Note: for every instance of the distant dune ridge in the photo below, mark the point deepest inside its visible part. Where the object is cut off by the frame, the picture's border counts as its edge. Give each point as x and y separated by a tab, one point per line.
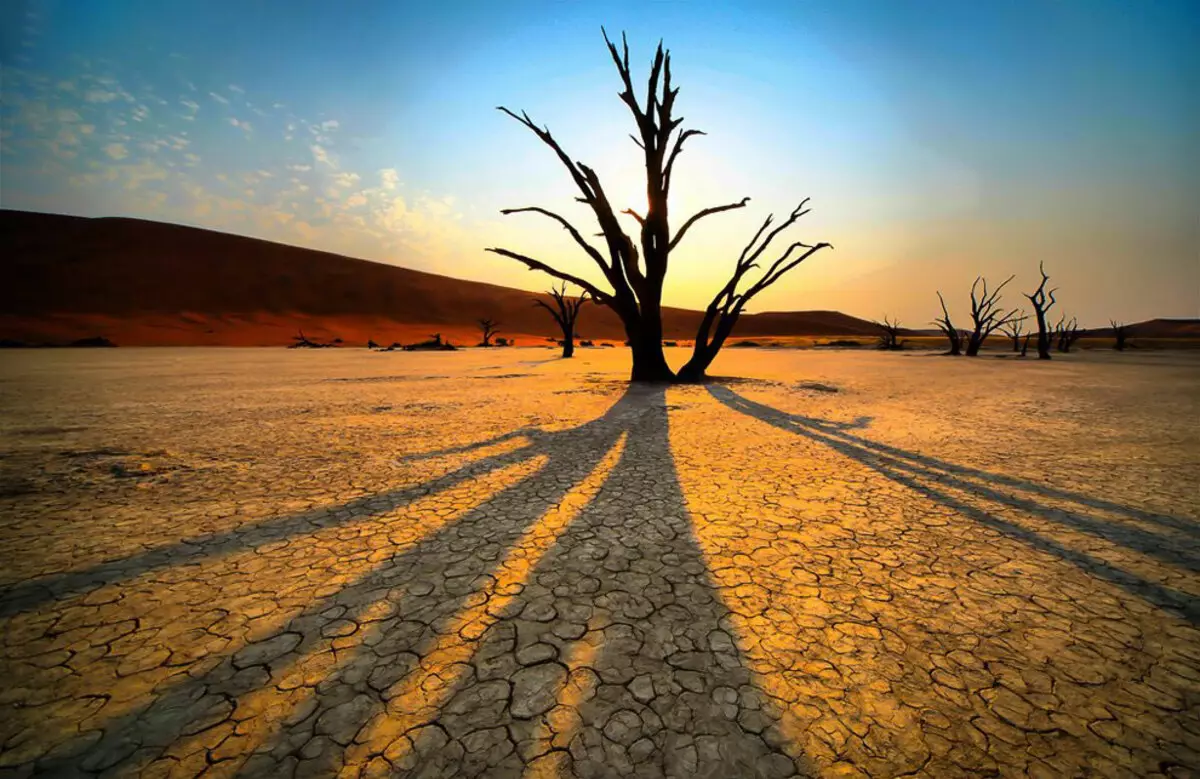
143	283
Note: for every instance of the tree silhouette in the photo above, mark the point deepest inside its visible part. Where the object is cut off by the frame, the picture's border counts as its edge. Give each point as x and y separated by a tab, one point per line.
636	271
726	306
1066	333
986	314
565	311
890	337
1120	333
1014	329
1042	302
952	333
488	328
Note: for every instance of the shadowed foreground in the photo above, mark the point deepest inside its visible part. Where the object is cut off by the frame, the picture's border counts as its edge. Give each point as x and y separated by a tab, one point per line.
353	565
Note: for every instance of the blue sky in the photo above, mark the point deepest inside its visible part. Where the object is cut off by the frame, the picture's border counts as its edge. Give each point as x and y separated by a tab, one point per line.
937	140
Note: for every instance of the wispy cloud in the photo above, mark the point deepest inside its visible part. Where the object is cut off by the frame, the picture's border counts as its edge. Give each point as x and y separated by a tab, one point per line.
117	151
219	98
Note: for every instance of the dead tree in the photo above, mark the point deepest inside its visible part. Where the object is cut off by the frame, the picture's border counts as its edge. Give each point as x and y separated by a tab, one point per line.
1066	334
1042	302
635	270
1014	328
727	305
565	311
1120	333
952	333
987	315
488	328
303	342
890	337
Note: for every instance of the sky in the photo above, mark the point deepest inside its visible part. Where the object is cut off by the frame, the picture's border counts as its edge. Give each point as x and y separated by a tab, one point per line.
938	141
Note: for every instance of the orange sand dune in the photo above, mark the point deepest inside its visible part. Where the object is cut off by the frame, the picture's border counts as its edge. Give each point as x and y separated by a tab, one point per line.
141	283
149	283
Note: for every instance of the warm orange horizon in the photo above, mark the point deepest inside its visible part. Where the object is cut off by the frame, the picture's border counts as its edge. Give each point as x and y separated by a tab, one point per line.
929	160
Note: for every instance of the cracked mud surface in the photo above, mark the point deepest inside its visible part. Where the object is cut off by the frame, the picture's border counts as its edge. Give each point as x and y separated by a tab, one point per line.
267	563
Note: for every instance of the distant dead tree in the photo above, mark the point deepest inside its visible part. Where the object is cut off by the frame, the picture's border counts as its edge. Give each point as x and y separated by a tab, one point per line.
1042	302
890	337
636	270
1014	329
1066	334
1120	333
303	342
952	333
1025	344
987	315
565	311
488	328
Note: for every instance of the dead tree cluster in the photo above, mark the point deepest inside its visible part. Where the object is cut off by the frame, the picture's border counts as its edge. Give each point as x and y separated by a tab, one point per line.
987	315
635	267
565	311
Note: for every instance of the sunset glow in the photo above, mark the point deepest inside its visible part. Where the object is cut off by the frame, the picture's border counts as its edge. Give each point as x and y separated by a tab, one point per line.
937	140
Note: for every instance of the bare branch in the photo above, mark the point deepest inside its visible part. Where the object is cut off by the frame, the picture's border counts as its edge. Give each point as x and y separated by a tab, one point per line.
533	264
640	219
697	217
678	147
587	247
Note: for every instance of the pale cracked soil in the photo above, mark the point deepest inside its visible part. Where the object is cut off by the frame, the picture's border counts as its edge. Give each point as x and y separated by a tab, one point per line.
496	563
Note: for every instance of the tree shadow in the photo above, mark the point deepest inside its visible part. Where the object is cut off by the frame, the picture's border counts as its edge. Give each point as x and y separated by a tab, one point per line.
928	476
569	618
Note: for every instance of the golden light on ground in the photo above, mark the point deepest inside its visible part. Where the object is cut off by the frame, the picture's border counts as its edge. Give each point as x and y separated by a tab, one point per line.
340	555
559	725
416	699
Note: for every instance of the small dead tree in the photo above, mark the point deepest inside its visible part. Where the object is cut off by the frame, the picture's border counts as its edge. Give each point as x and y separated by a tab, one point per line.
987	315
727	305
488	327
565	311
1120	333
952	333
889	339
1066	334
1042	302
1014	328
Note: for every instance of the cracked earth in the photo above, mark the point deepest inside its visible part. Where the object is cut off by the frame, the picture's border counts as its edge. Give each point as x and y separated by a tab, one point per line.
495	563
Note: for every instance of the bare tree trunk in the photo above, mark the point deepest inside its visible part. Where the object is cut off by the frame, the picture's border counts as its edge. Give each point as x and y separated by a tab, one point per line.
1120	333
565	312
952	333
1042	302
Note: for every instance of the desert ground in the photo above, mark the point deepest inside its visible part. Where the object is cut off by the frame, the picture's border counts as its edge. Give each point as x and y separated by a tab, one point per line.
262	562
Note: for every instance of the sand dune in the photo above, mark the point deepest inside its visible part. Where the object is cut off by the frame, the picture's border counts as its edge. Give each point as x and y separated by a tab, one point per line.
154	284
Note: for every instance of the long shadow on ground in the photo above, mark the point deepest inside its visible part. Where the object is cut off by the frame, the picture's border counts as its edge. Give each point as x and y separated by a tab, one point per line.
567	621
932	477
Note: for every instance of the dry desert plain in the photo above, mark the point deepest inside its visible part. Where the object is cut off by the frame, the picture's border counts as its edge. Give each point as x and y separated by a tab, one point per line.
262	562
